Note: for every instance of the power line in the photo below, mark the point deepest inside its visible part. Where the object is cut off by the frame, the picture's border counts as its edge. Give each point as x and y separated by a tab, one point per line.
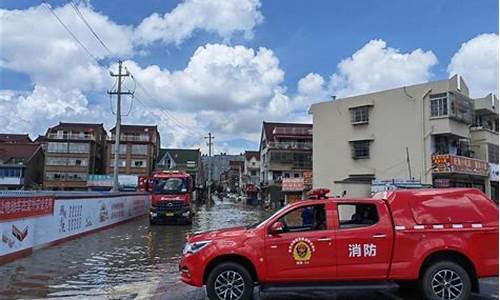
82	17
49	8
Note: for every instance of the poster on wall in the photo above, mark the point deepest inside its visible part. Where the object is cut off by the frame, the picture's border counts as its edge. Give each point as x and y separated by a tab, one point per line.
16	236
24	207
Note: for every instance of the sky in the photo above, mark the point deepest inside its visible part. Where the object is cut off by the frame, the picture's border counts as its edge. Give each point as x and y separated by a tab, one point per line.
224	66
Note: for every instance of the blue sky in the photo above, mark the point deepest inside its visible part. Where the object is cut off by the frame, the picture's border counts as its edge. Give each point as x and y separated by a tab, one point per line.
304	36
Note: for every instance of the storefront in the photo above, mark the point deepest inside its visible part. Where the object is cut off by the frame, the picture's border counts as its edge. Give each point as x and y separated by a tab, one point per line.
459	171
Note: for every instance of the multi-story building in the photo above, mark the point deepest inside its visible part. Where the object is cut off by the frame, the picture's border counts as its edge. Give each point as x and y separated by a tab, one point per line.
484	138
21	165
218	164
233	176
420	132
139	150
251	171
188	160
74	150
285	152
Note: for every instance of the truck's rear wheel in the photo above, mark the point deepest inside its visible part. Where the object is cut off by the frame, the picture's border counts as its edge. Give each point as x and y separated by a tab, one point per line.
229	281
446	280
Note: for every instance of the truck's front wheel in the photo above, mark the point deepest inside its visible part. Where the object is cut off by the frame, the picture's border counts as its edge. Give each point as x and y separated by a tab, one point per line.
229	281
446	280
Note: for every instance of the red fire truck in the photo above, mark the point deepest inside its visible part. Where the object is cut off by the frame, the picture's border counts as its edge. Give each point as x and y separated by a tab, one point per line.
171	195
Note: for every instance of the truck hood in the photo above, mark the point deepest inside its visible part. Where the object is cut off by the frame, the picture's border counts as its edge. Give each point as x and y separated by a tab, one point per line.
219	234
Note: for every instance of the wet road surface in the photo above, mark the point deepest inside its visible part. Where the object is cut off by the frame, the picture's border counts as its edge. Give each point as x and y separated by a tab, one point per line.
136	261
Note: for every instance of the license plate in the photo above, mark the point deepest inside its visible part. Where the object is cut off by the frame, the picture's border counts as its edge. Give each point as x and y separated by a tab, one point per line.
169	214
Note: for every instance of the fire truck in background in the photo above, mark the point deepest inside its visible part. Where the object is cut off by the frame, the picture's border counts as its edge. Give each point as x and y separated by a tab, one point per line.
171	196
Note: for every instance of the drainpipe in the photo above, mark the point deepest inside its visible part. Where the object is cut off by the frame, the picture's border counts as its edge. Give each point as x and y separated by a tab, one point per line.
423	174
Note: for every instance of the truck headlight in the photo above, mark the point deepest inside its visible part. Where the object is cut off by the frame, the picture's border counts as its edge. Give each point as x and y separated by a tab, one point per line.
194	247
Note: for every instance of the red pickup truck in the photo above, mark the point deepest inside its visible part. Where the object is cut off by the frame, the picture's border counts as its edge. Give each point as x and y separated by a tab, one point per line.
442	239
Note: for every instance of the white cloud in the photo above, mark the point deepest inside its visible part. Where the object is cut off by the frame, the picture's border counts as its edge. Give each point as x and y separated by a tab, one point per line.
477	62
377	67
217	77
34	43
222	17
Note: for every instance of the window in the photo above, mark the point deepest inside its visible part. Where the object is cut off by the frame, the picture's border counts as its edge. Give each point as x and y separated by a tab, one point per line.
56	161
357	215
359	115
253	173
10	172
360	149
78	148
77	162
439	105
122	149
305	218
138	163
492	153
140	149
57	147
121	163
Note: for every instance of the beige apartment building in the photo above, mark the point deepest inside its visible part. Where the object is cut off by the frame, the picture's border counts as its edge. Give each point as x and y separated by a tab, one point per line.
285	153
432	132
139	150
72	152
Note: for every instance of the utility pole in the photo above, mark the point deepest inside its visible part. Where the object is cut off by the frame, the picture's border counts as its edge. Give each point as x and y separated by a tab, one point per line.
118	93
210	137
408	162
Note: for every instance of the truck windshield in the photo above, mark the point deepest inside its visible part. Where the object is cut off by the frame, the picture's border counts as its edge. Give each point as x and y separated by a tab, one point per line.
169	186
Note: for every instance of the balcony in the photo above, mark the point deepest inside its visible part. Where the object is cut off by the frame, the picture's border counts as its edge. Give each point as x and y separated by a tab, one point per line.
291	145
71	136
131	138
292	131
480	134
454	164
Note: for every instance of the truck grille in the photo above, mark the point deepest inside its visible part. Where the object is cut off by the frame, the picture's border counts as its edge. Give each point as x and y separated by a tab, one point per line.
169	206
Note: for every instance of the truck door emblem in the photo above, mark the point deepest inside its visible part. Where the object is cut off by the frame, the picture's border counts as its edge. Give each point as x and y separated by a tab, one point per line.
301	250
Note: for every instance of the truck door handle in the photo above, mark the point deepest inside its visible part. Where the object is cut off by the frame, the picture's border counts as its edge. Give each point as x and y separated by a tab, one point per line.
274	246
325	239
379	236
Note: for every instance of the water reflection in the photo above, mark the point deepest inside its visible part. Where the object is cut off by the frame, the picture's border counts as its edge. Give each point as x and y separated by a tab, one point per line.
127	261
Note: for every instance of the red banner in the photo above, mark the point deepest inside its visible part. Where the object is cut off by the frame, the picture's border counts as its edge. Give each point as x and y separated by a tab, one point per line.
293	184
23	207
458	164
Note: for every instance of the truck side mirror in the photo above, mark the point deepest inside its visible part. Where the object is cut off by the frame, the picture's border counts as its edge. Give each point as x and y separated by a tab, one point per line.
276	228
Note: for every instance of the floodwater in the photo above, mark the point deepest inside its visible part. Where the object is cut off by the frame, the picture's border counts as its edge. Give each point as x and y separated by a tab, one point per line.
132	260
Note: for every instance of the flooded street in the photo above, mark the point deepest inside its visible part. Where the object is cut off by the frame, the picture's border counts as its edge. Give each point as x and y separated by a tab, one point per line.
136	261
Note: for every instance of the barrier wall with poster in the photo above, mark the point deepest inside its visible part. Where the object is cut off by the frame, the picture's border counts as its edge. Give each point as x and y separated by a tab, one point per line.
31	222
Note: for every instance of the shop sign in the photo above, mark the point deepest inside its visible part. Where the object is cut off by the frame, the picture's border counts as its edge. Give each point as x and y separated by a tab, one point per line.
441	182
293	184
23	207
494	172
459	164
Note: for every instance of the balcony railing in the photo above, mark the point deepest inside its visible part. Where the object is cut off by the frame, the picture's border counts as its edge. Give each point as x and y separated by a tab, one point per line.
290	145
292	131
449	163
71	136
131	138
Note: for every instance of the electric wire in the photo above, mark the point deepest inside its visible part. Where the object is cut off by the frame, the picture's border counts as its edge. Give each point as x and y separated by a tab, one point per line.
82	17
162	109
51	10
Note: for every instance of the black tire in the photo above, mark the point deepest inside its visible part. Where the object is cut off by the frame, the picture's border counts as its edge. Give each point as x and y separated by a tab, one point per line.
226	268
435	272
